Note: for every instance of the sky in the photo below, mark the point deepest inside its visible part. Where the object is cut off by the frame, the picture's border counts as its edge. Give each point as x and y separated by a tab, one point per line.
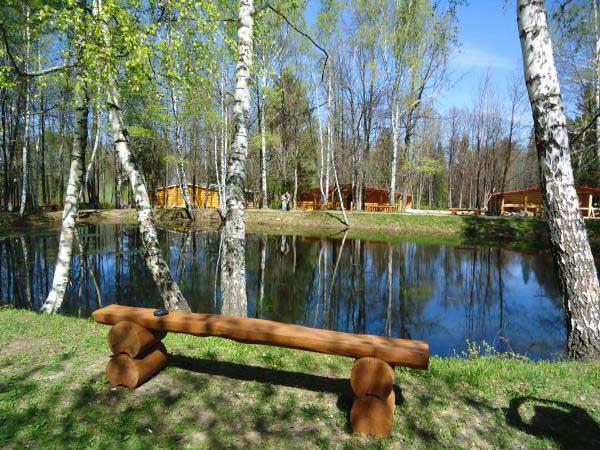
489	41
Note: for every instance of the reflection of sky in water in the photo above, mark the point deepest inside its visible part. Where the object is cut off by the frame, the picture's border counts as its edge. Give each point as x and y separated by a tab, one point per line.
445	295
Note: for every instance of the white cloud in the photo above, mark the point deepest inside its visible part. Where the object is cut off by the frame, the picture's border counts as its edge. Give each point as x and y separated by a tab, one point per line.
472	57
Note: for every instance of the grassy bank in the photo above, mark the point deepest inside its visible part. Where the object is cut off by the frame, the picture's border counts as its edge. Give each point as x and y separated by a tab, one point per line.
217	393
514	232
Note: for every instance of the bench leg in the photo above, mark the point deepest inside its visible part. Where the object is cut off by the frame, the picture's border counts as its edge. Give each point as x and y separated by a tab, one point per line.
138	354
372	381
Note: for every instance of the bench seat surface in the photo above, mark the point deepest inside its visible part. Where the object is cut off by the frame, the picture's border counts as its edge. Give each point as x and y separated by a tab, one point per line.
401	352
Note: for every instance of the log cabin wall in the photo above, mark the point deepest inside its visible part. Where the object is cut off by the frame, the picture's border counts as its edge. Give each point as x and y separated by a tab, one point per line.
311	198
172	197
531	200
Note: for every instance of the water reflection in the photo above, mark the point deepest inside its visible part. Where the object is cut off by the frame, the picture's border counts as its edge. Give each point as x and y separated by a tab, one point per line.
446	295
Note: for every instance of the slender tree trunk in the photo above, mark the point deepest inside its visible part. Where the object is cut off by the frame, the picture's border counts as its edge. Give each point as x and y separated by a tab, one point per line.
224	148
172	296
597	73
71	208
395	139
328	158
570	245
233	264
321	146
264	203
169	290
24	158
183	183
4	150
25	167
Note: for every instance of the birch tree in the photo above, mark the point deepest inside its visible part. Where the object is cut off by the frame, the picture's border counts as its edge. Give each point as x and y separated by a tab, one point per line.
24	158
570	246
233	263
172	296
71	208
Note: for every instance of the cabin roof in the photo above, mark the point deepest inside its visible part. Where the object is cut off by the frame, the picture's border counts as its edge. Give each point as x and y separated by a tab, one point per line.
579	189
210	186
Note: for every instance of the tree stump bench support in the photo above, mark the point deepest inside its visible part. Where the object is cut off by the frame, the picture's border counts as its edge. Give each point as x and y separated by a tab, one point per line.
138	353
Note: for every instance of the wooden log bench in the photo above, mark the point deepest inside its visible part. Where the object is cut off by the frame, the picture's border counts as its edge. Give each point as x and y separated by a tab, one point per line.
139	354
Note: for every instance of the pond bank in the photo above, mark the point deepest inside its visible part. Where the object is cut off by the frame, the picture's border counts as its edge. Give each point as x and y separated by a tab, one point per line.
524	233
218	393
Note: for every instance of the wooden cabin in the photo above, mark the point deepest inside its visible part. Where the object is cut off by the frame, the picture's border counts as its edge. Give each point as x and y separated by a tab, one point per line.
530	201
172	197
374	199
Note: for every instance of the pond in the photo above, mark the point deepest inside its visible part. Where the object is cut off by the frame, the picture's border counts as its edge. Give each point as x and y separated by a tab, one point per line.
447	295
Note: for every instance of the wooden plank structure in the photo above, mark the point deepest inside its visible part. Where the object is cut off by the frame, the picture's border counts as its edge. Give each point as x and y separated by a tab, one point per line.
531	201
172	197
138	353
457	211
374	199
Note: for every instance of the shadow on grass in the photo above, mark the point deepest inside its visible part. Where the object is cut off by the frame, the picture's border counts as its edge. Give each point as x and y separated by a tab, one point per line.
529	231
316	383
191	407
570	426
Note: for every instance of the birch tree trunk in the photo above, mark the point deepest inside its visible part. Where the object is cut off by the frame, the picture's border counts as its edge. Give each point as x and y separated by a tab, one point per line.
264	203
325	199
233	264
597	73
169	290
321	145
71	208
183	183
172	296
570	245
395	139
25	167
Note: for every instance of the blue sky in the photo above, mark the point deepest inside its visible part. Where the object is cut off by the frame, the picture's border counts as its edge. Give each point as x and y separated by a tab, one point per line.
489	40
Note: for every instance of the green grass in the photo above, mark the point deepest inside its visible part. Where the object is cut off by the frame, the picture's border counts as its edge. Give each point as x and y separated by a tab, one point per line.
220	394
521	233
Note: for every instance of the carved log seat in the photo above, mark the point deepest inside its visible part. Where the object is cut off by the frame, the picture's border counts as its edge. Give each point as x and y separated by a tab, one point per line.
138	353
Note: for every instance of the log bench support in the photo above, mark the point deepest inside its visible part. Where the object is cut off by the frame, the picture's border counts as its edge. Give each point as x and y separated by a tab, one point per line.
138	354
372	381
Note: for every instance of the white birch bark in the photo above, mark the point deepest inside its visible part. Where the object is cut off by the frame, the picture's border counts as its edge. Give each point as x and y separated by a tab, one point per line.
182	178
321	145
263	145
329	141
71	208
597	74
233	264
570	245
25	168
172	296
224	149
395	140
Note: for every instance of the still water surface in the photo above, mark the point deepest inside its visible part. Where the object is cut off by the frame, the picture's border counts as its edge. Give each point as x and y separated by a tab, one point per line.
446	295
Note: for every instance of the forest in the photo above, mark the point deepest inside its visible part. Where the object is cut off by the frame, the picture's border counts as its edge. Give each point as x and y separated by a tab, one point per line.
400	247
351	93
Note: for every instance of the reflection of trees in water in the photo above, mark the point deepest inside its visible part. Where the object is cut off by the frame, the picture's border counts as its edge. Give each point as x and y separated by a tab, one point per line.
404	289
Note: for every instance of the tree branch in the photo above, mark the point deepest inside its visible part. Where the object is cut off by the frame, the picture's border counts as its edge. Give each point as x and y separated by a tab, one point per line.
280	14
25	73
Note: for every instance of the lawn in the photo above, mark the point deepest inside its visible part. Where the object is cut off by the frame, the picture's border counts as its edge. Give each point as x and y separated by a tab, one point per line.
221	394
514	232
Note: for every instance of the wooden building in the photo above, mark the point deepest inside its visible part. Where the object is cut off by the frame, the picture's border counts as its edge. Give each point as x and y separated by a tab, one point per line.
530	201
374	199
172	197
